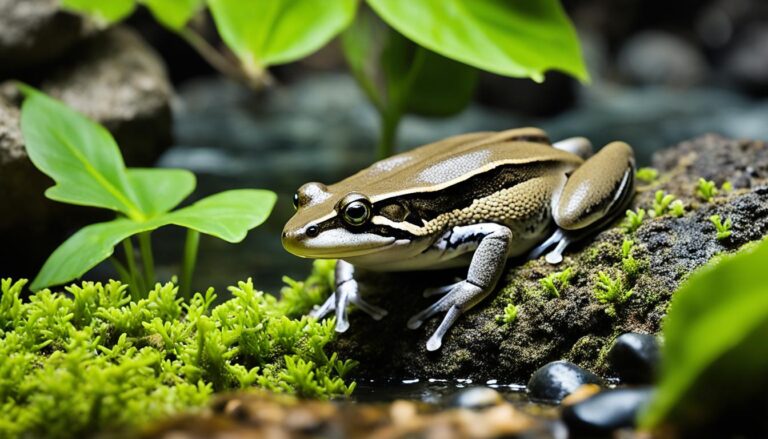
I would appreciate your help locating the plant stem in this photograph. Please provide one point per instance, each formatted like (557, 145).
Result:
(145, 244)
(125, 276)
(137, 284)
(390, 120)
(190, 257)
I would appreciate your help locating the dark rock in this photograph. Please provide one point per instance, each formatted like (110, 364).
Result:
(655, 57)
(36, 31)
(117, 80)
(476, 398)
(556, 380)
(634, 358)
(601, 414)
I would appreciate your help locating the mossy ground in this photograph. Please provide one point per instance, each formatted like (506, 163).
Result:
(88, 359)
(576, 326)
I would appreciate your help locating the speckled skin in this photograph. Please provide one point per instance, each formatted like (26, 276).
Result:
(474, 199)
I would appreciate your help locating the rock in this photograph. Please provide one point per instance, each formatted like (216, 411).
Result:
(580, 394)
(554, 381)
(746, 62)
(601, 414)
(655, 57)
(574, 326)
(115, 79)
(476, 398)
(634, 358)
(36, 31)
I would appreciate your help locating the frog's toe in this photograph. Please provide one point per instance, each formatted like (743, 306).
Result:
(439, 291)
(436, 340)
(372, 310)
(326, 308)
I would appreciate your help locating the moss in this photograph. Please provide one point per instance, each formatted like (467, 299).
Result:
(77, 362)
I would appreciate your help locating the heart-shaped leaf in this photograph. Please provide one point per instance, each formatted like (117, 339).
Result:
(521, 38)
(108, 11)
(264, 33)
(173, 14)
(160, 190)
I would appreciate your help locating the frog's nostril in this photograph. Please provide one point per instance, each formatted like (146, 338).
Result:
(312, 231)
(285, 234)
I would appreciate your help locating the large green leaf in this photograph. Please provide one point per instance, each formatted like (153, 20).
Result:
(268, 32)
(227, 215)
(160, 190)
(173, 14)
(83, 250)
(78, 154)
(521, 38)
(109, 11)
(715, 352)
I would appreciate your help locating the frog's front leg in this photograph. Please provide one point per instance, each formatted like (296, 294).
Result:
(593, 196)
(347, 291)
(491, 243)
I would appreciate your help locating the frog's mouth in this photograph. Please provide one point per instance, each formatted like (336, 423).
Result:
(337, 243)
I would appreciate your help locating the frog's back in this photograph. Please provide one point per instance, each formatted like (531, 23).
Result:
(437, 165)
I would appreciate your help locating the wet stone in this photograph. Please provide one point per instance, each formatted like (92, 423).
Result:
(634, 358)
(476, 398)
(558, 379)
(606, 411)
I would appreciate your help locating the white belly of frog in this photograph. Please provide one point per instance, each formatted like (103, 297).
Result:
(479, 215)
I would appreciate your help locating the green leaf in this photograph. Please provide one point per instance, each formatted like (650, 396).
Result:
(109, 11)
(78, 154)
(263, 33)
(227, 215)
(173, 14)
(160, 190)
(714, 352)
(443, 86)
(83, 250)
(521, 38)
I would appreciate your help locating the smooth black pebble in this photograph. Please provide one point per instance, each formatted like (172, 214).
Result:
(554, 381)
(604, 412)
(634, 358)
(476, 398)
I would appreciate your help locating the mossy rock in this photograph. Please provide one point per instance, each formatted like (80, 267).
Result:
(574, 326)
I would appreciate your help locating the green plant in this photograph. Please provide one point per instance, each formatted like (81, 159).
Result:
(509, 314)
(629, 264)
(633, 220)
(78, 363)
(706, 189)
(647, 175)
(723, 228)
(404, 66)
(85, 163)
(661, 203)
(714, 354)
(611, 292)
(677, 209)
(727, 186)
(554, 282)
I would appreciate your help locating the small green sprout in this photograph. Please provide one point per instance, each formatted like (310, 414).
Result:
(633, 220)
(556, 281)
(509, 316)
(706, 189)
(677, 209)
(647, 175)
(727, 186)
(610, 292)
(661, 203)
(628, 262)
(723, 228)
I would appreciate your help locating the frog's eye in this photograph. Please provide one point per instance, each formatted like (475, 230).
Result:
(356, 213)
(296, 200)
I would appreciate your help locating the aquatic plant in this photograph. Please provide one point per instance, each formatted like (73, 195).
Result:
(509, 314)
(611, 292)
(677, 209)
(647, 175)
(84, 161)
(89, 358)
(723, 228)
(633, 220)
(554, 282)
(661, 203)
(706, 189)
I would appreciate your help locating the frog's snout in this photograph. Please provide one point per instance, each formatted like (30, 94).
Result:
(294, 239)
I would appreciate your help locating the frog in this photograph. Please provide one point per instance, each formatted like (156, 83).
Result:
(474, 201)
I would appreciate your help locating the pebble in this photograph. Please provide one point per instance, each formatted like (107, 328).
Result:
(606, 411)
(476, 398)
(634, 358)
(558, 379)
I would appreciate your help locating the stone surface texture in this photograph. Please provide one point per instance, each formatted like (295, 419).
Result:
(574, 326)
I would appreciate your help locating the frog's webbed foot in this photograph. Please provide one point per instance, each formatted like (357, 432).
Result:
(347, 291)
(492, 243)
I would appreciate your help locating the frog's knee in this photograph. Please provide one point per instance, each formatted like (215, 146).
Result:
(581, 146)
(598, 189)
